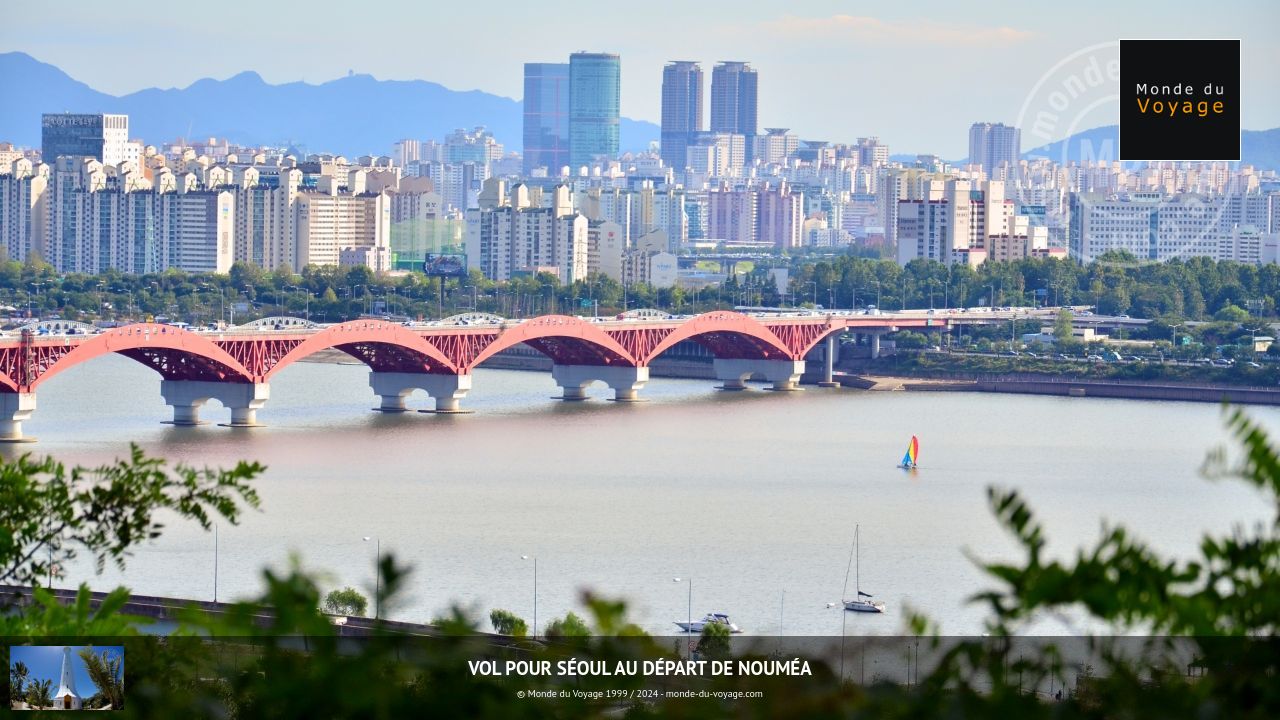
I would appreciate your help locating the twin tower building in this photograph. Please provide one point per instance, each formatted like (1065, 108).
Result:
(572, 113)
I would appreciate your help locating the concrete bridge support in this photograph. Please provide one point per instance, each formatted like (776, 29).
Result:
(625, 381)
(15, 408)
(875, 345)
(784, 374)
(395, 387)
(187, 397)
(829, 362)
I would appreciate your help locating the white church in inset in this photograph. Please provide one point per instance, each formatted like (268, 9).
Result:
(67, 698)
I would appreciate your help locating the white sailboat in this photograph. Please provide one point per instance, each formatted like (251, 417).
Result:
(861, 601)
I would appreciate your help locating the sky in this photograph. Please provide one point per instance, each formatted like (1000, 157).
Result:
(915, 74)
(45, 663)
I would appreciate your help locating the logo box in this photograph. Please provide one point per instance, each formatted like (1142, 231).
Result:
(1180, 100)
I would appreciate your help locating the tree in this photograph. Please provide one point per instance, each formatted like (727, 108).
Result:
(714, 641)
(1232, 313)
(1063, 325)
(107, 672)
(347, 601)
(40, 694)
(571, 626)
(49, 515)
(18, 675)
(506, 622)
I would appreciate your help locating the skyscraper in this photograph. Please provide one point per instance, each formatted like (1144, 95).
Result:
(681, 110)
(595, 81)
(546, 116)
(734, 88)
(101, 137)
(991, 145)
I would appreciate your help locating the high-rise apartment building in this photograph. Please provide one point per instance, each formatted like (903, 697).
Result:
(546, 117)
(329, 222)
(22, 209)
(508, 233)
(957, 221)
(994, 145)
(734, 102)
(595, 82)
(102, 137)
(681, 110)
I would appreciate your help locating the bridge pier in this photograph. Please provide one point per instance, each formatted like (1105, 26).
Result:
(626, 381)
(394, 388)
(734, 372)
(188, 396)
(875, 345)
(14, 409)
(829, 362)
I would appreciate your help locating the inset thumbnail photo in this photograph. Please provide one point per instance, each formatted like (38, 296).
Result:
(66, 677)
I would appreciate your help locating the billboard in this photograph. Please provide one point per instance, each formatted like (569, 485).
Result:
(445, 265)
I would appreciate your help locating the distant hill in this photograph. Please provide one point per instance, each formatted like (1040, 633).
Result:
(353, 115)
(1259, 148)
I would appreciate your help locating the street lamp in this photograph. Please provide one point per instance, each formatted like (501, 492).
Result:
(535, 592)
(815, 293)
(377, 588)
(215, 562)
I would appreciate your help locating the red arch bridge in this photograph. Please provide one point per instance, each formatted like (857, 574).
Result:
(235, 365)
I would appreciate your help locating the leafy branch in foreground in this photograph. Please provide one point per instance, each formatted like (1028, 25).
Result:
(49, 514)
(1232, 589)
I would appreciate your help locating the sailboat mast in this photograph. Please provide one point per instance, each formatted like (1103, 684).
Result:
(857, 578)
(848, 567)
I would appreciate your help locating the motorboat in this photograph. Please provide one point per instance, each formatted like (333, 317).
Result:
(709, 619)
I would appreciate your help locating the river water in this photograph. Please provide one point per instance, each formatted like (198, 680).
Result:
(753, 495)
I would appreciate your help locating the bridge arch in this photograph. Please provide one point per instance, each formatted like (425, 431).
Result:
(728, 335)
(382, 345)
(175, 353)
(566, 340)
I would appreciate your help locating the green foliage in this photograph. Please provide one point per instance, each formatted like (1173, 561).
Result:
(713, 644)
(40, 694)
(107, 672)
(506, 622)
(1232, 314)
(49, 515)
(347, 601)
(909, 340)
(18, 675)
(570, 626)
(1063, 326)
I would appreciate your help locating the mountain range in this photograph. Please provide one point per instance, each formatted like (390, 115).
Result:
(353, 115)
(345, 115)
(1259, 148)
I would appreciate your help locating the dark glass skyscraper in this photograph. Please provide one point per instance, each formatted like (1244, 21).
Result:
(734, 101)
(681, 110)
(546, 116)
(595, 82)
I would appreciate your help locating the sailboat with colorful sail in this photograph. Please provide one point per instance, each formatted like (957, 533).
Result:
(913, 452)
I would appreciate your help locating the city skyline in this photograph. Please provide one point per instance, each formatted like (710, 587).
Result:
(815, 60)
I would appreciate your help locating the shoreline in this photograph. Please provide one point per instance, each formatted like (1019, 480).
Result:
(1022, 384)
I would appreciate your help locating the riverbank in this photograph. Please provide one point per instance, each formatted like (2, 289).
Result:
(891, 376)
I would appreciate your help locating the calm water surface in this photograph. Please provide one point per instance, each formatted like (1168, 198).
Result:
(753, 495)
